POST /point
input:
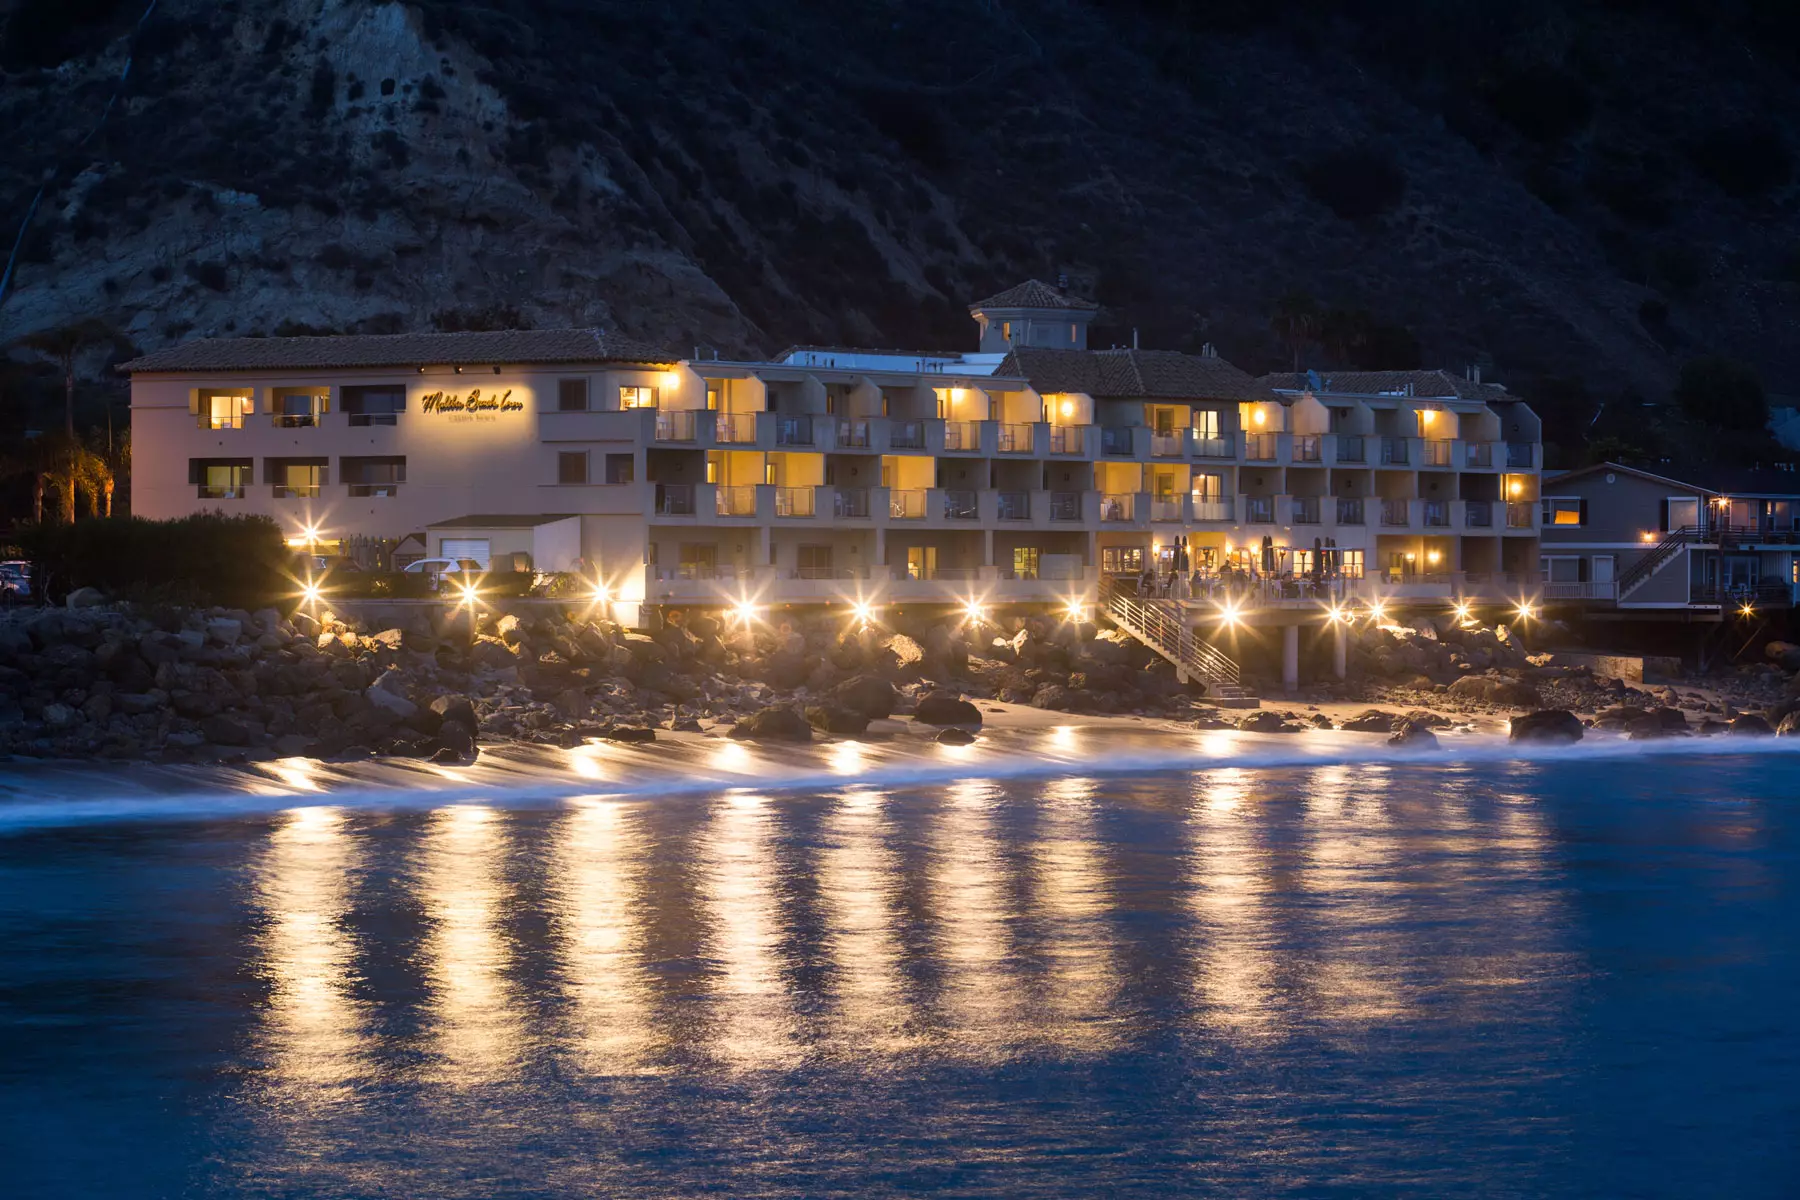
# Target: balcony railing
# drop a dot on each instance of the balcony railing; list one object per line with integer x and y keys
{"x": 675, "y": 499}
{"x": 1351, "y": 448}
{"x": 1015, "y": 506}
{"x": 1260, "y": 447}
{"x": 907, "y": 435}
{"x": 296, "y": 491}
{"x": 1519, "y": 454}
{"x": 1259, "y": 510}
{"x": 222, "y": 491}
{"x": 1065, "y": 506}
{"x": 1015, "y": 439}
{"x": 962, "y": 435}
{"x": 1349, "y": 512}
{"x": 793, "y": 431}
{"x": 1306, "y": 510}
{"x": 1116, "y": 506}
{"x": 850, "y": 504}
{"x": 1165, "y": 445}
{"x": 676, "y": 425}
{"x": 907, "y": 504}
{"x": 1213, "y": 447}
{"x": 961, "y": 504}
{"x": 1217, "y": 509}
{"x": 738, "y": 501}
{"x": 1394, "y": 512}
{"x": 734, "y": 429}
{"x": 1478, "y": 454}
{"x": 1117, "y": 439}
{"x": 1067, "y": 439}
{"x": 1478, "y": 514}
{"x": 793, "y": 502}
{"x": 1435, "y": 452}
{"x": 1437, "y": 514}
{"x": 365, "y": 491}
{"x": 852, "y": 434}
{"x": 1166, "y": 508}
{"x": 1521, "y": 514}
{"x": 1393, "y": 452}
{"x": 1307, "y": 448}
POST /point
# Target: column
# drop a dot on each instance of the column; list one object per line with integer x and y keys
{"x": 1290, "y": 657}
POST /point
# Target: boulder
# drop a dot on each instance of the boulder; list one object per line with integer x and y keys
{"x": 946, "y": 708}
{"x": 86, "y": 597}
{"x": 1551, "y": 725}
{"x": 1264, "y": 721}
{"x": 777, "y": 723}
{"x": 1790, "y": 726}
{"x": 224, "y": 630}
{"x": 1748, "y": 725}
{"x": 384, "y": 693}
{"x": 870, "y": 695}
{"x": 1496, "y": 690}
{"x": 1413, "y": 736}
{"x": 954, "y": 737}
{"x": 457, "y": 738}
{"x": 1371, "y": 720}
{"x": 451, "y": 707}
{"x": 1785, "y": 655}
{"x": 635, "y": 735}
{"x": 1054, "y": 697}
{"x": 1430, "y": 720}
{"x": 832, "y": 718}
{"x": 223, "y": 730}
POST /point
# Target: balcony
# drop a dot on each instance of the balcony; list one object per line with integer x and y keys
{"x": 962, "y": 435}
{"x": 961, "y": 504}
{"x": 1478, "y": 455}
{"x": 906, "y": 435}
{"x": 850, "y": 504}
{"x": 853, "y": 434}
{"x": 794, "y": 502}
{"x": 739, "y": 501}
{"x": 676, "y": 425}
{"x": 793, "y": 431}
{"x": 1520, "y": 454}
{"x": 1259, "y": 510}
{"x": 1213, "y": 509}
{"x": 1117, "y": 439}
{"x": 675, "y": 499}
{"x": 1213, "y": 447}
{"x": 1351, "y": 448}
{"x": 1261, "y": 447}
{"x": 907, "y": 504}
{"x": 224, "y": 491}
{"x": 1065, "y": 506}
{"x": 1521, "y": 514}
{"x": 1165, "y": 445}
{"x": 1166, "y": 508}
{"x": 1016, "y": 439}
{"x": 1015, "y": 506}
{"x": 1394, "y": 513}
{"x": 1117, "y": 506}
{"x": 1068, "y": 439}
{"x": 1435, "y": 452}
{"x": 1306, "y": 510}
{"x": 1394, "y": 453}
{"x": 734, "y": 429}
{"x": 1437, "y": 514}
{"x": 1478, "y": 514}
{"x": 296, "y": 491}
{"x": 1307, "y": 448}
{"x": 1349, "y": 512}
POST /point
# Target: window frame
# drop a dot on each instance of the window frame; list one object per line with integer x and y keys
{"x": 353, "y": 399}
{"x": 565, "y": 459}
{"x": 639, "y": 393}
{"x": 564, "y": 389}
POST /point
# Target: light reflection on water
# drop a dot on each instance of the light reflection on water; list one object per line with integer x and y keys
{"x": 472, "y": 1012}
{"x": 598, "y": 899}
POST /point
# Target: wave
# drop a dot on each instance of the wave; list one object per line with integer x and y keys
{"x": 36, "y": 796}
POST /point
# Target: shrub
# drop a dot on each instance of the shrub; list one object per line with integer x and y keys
{"x": 208, "y": 558}
{"x": 1356, "y": 182}
{"x": 1718, "y": 391}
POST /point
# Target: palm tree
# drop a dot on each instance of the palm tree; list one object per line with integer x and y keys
{"x": 1296, "y": 322}
{"x": 63, "y": 346}
{"x": 61, "y": 464}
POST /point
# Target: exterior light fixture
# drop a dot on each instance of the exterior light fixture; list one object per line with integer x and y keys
{"x": 1231, "y": 613}
{"x": 1068, "y": 408}
{"x": 601, "y": 593}
{"x": 863, "y": 611}
{"x": 1377, "y": 610}
{"x": 1257, "y": 416}
{"x": 1648, "y": 536}
{"x": 309, "y": 593}
{"x": 973, "y": 611}
{"x": 1746, "y": 610}
{"x": 1462, "y": 611}
{"x": 1526, "y": 611}
{"x": 745, "y": 611}
{"x": 1433, "y": 557}
{"x": 469, "y": 594}
{"x": 1515, "y": 488}
{"x": 1077, "y": 611}
{"x": 1335, "y": 614}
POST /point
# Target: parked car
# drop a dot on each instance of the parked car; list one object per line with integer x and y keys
{"x": 15, "y": 581}
{"x": 459, "y": 570}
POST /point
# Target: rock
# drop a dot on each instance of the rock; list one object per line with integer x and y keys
{"x": 773, "y": 724}
{"x": 1546, "y": 725}
{"x": 870, "y": 695}
{"x": 1496, "y": 690}
{"x": 1790, "y": 726}
{"x": 223, "y": 730}
{"x": 59, "y": 716}
{"x": 1263, "y": 721}
{"x": 451, "y": 707}
{"x": 834, "y": 719}
{"x": 1420, "y": 716}
{"x": 457, "y": 738}
{"x": 392, "y": 639}
{"x": 946, "y": 708}
{"x": 294, "y": 745}
{"x": 1319, "y": 721}
{"x": 1371, "y": 720}
{"x": 1748, "y": 725}
{"x": 1054, "y": 697}
{"x": 137, "y": 704}
{"x": 1786, "y": 655}
{"x": 446, "y": 756}
{"x": 224, "y": 630}
{"x": 86, "y": 597}
{"x": 384, "y": 693}
{"x": 635, "y": 735}
{"x": 954, "y": 737}
{"x": 685, "y": 725}
{"x": 1413, "y": 736}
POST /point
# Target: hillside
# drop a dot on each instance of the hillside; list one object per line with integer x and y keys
{"x": 1582, "y": 194}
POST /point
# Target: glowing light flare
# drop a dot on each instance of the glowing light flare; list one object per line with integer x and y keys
{"x": 1526, "y": 610}
{"x": 1377, "y": 611}
{"x": 863, "y": 612}
{"x": 1335, "y": 615}
{"x": 974, "y": 611}
{"x": 1462, "y": 611}
{"x": 745, "y": 612}
{"x": 1746, "y": 610}
{"x": 309, "y": 592}
{"x": 1075, "y": 610}
{"x": 1231, "y": 614}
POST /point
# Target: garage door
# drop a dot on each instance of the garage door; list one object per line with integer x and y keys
{"x": 475, "y": 548}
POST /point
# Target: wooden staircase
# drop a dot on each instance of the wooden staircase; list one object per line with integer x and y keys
{"x": 1162, "y": 625}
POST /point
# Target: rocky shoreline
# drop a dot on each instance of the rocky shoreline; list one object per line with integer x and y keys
{"x": 179, "y": 685}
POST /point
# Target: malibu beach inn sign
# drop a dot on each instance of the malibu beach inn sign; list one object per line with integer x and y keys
{"x": 475, "y": 403}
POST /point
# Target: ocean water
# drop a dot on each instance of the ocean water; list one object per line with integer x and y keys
{"x": 1064, "y": 965}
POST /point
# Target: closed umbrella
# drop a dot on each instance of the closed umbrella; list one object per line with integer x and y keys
{"x": 1268, "y": 555}
{"x": 1318, "y": 570}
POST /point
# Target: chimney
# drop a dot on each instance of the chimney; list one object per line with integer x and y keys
{"x": 1477, "y": 373}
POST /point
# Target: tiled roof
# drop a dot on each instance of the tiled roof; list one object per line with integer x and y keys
{"x": 1033, "y": 293}
{"x": 1375, "y": 383}
{"x": 1154, "y": 374}
{"x": 499, "y": 347}
{"x": 1717, "y": 480}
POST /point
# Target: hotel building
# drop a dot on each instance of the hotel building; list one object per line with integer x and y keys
{"x": 1022, "y": 472}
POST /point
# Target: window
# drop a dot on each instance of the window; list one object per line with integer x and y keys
{"x": 1025, "y": 562}
{"x": 714, "y": 395}
{"x": 298, "y": 408}
{"x": 1564, "y": 510}
{"x": 1351, "y": 564}
{"x": 1122, "y": 560}
{"x": 637, "y": 397}
{"x": 699, "y": 560}
{"x": 571, "y": 395}
{"x": 1206, "y": 424}
{"x": 297, "y": 478}
{"x": 1006, "y": 330}
{"x": 373, "y": 476}
{"x": 223, "y": 410}
{"x": 374, "y": 405}
{"x": 1208, "y": 487}
{"x": 813, "y": 562}
{"x": 1072, "y": 337}
{"x": 220, "y": 478}
{"x": 1303, "y": 561}
{"x": 621, "y": 468}
{"x": 1561, "y": 570}
{"x": 571, "y": 466}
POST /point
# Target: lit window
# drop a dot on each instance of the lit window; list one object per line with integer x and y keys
{"x": 1006, "y": 330}
{"x": 296, "y": 478}
{"x": 224, "y": 410}
{"x": 1351, "y": 565}
{"x": 1563, "y": 511}
{"x": 220, "y": 478}
{"x": 637, "y": 397}
{"x": 299, "y": 409}
{"x": 1025, "y": 562}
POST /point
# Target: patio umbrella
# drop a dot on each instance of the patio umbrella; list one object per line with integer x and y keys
{"x": 1268, "y": 555}
{"x": 1181, "y": 555}
{"x": 1318, "y": 567}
